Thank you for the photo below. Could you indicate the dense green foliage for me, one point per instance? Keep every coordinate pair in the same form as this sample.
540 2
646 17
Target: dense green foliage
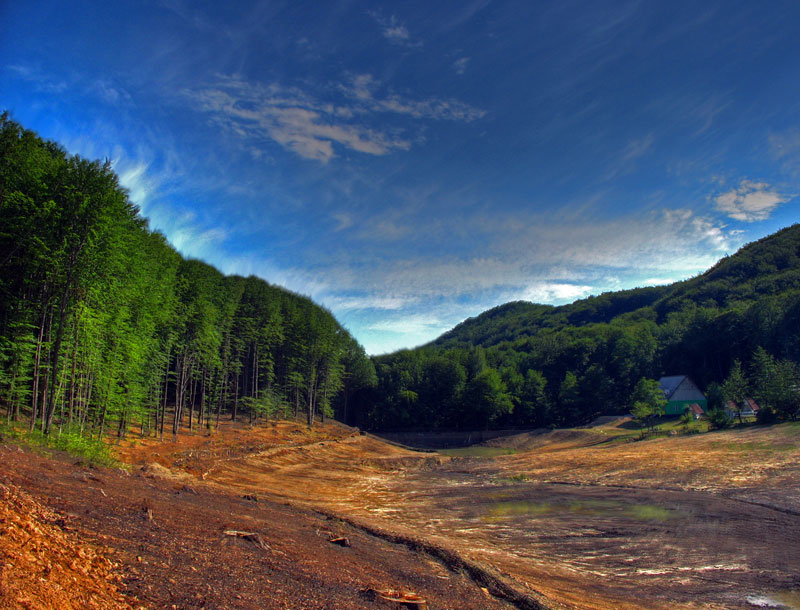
565 365
102 323
104 326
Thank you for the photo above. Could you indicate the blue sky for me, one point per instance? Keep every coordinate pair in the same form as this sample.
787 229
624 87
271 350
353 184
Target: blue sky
412 164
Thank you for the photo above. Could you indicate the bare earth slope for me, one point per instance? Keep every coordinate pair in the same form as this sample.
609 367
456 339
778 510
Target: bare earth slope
169 540
563 519
704 521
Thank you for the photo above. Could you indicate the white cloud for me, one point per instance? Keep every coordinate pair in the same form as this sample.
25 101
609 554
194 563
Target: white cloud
349 303
536 258
786 148
42 81
416 324
549 292
625 163
551 260
363 87
309 127
394 31
110 93
460 65
133 177
343 221
750 202
638 147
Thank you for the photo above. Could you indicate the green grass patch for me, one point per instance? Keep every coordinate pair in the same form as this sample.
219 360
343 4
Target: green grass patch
754 446
590 508
518 508
478 451
650 512
93 451
514 478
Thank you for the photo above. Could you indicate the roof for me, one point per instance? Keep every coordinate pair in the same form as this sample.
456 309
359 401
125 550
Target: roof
696 409
669 384
752 404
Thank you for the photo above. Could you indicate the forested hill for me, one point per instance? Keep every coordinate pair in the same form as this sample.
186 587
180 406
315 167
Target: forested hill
523 364
103 324
767 267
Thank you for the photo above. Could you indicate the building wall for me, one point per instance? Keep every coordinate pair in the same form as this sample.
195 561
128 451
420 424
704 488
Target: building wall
677 407
687 390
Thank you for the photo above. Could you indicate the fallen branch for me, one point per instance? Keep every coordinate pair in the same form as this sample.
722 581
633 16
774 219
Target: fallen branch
404 598
250 537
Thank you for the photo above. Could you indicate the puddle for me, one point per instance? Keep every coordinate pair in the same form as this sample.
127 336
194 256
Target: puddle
781 600
600 508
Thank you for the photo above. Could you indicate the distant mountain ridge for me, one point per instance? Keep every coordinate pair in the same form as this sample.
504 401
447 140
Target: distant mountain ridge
530 365
768 266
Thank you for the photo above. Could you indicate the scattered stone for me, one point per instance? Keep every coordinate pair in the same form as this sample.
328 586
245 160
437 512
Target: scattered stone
340 540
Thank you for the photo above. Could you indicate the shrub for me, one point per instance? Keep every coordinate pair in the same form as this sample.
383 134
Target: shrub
718 419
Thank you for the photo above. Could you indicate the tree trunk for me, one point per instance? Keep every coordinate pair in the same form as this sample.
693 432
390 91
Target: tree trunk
202 400
235 398
324 399
72 381
310 411
37 360
164 400
62 318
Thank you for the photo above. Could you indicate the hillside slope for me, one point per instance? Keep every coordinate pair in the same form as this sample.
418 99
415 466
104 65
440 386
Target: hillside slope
768 266
528 365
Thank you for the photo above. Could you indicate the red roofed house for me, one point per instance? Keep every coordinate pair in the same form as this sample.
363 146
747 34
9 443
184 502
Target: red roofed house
696 411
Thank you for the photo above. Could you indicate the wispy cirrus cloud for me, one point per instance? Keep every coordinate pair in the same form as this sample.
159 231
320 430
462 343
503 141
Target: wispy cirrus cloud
785 147
42 81
394 30
364 90
310 127
750 201
415 324
541 258
626 161
343 221
103 89
460 65
533 257
362 301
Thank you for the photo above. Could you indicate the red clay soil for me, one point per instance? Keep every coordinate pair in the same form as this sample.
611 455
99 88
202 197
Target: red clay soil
163 544
43 564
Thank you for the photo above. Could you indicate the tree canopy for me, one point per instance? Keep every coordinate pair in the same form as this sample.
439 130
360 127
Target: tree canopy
738 325
103 324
